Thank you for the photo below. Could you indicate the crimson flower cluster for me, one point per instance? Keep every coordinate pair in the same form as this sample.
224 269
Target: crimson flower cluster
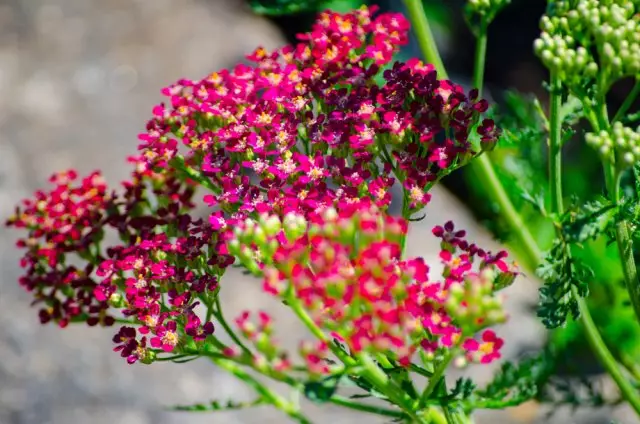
155 277
306 126
345 268
326 123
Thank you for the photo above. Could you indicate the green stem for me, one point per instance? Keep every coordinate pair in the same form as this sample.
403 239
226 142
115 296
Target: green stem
629 393
436 416
455 416
376 376
628 102
480 58
624 242
555 186
487 176
555 146
221 319
317 332
421 27
371 371
481 166
630 364
435 379
269 395
347 403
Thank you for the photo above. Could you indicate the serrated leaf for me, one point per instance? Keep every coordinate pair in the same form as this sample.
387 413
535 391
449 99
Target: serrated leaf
589 221
321 391
217 406
515 384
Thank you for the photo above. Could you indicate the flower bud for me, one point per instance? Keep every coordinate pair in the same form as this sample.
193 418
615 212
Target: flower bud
294 226
116 300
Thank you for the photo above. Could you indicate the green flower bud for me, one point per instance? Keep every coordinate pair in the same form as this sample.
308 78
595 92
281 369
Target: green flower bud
294 226
116 300
272 225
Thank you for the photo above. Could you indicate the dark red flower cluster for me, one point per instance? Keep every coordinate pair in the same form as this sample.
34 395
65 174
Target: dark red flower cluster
63 223
346 270
155 277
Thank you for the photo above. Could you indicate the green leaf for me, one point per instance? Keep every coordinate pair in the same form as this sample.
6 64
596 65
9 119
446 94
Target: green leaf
285 7
561 270
515 384
218 406
589 221
321 391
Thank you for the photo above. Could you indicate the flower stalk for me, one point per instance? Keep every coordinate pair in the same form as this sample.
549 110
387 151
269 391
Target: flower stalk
592 334
482 166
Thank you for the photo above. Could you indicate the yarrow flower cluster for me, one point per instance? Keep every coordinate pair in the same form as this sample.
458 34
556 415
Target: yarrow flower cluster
155 278
299 151
345 268
307 126
296 154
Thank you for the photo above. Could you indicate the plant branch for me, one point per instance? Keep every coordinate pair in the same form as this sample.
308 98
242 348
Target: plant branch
348 403
623 241
480 58
605 357
278 401
221 319
555 186
628 102
435 379
481 166
422 29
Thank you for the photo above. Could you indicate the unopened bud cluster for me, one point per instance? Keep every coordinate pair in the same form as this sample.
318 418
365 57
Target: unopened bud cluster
621 145
255 241
571 35
473 304
486 8
260 334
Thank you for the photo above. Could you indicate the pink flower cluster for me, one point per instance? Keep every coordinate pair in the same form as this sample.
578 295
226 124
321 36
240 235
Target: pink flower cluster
346 270
304 128
308 125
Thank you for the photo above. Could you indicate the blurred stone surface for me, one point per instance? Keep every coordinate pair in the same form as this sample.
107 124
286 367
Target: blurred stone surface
78 79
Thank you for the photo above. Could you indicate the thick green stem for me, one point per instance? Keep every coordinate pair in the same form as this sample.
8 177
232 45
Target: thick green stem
480 58
629 393
436 417
623 240
435 379
267 394
374 374
592 334
555 146
422 29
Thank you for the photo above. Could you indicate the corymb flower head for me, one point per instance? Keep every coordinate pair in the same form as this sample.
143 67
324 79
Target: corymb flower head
581 38
345 268
308 126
